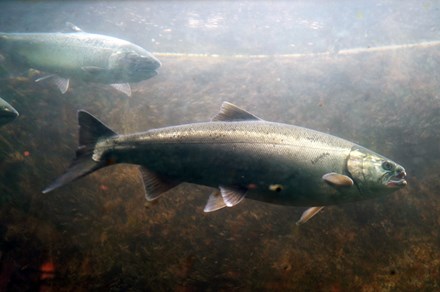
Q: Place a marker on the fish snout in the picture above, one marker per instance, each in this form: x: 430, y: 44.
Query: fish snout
x: 398, y: 180
x: 145, y: 67
x: 401, y: 173
x: 7, y: 113
x: 7, y: 117
x: 153, y: 62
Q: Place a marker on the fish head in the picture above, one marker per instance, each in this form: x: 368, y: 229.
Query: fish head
x: 374, y: 174
x: 7, y: 112
x: 135, y: 66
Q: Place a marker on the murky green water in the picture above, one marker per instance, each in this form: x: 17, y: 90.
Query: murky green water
x: 100, y: 234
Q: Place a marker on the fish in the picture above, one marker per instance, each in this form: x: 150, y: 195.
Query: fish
x: 241, y: 156
x: 82, y: 56
x: 7, y: 112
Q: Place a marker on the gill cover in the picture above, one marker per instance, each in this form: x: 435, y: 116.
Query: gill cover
x: 374, y: 174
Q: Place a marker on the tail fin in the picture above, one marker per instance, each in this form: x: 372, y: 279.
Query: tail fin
x: 90, y: 131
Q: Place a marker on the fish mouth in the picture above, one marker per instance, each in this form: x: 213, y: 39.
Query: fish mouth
x: 397, y: 181
x: 149, y: 74
x: 151, y: 63
x: 148, y: 69
x: 141, y: 74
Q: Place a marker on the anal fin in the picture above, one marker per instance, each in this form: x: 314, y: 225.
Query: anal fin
x: 232, y: 195
x: 215, y: 202
x: 308, y: 214
x: 155, y: 185
x: 60, y: 82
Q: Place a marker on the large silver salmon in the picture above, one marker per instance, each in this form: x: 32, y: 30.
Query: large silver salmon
x: 80, y: 55
x: 7, y: 112
x: 241, y: 155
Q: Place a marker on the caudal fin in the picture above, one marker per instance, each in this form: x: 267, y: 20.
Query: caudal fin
x: 90, y: 131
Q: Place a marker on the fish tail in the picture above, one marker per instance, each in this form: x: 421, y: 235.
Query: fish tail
x: 91, y: 130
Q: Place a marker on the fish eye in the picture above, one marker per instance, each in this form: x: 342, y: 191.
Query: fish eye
x: 387, y: 165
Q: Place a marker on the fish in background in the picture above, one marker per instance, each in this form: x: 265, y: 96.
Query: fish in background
x: 241, y: 156
x: 7, y: 112
x: 80, y: 55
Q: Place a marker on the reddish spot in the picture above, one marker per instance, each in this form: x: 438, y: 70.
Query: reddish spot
x: 26, y: 153
x: 47, y: 270
x: 251, y: 186
x: 336, y: 287
x: 103, y: 187
x: 111, y: 160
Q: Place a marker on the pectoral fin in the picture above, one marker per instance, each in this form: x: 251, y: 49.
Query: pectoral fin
x: 232, y: 195
x: 337, y: 180
x: 60, y: 82
x: 215, y: 202
x: 308, y: 214
x: 122, y: 87
x: 155, y: 185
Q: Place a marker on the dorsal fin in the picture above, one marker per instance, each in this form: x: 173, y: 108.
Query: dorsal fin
x: 232, y: 113
x: 72, y: 27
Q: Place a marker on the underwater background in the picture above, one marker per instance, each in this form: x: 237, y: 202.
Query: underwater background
x: 365, y: 71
